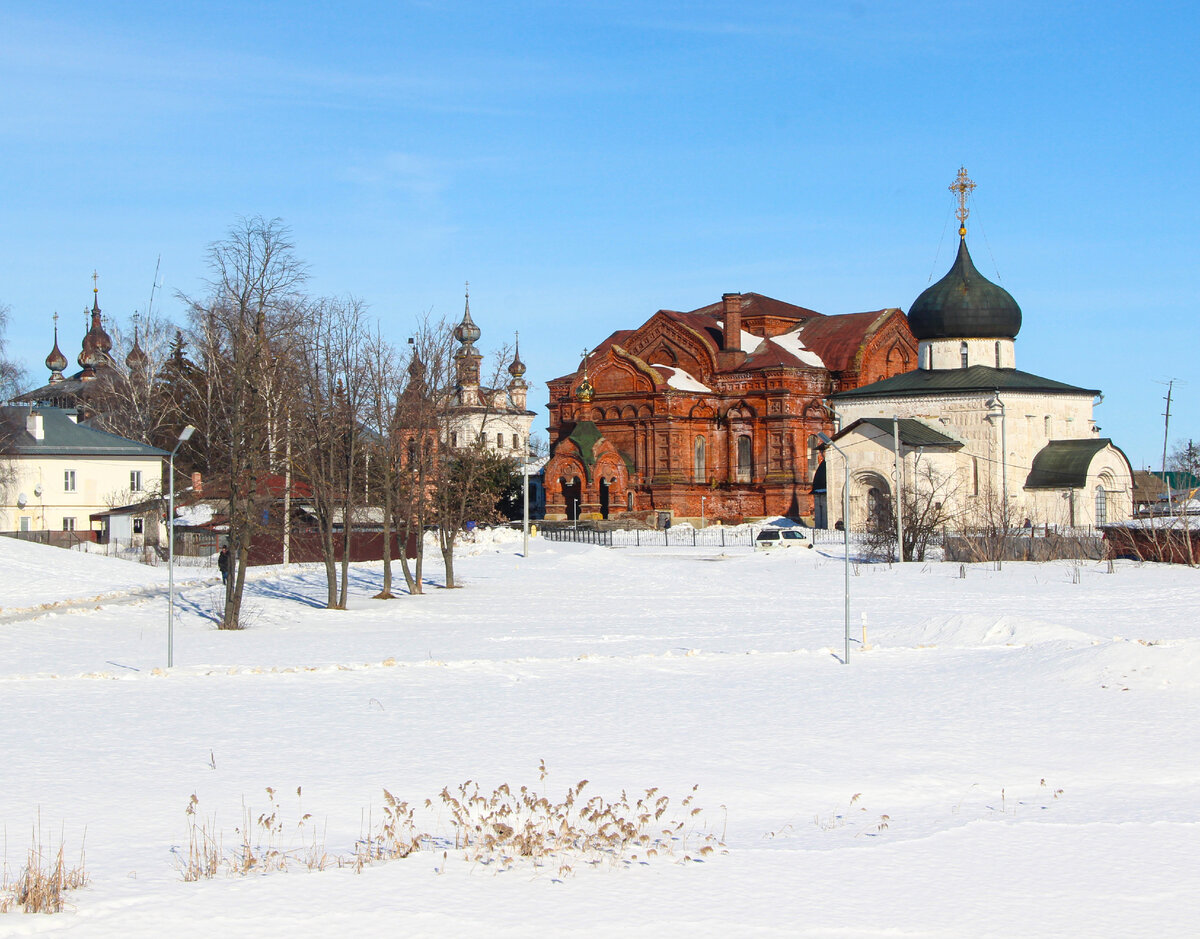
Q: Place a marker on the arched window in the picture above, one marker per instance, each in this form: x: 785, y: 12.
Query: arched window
x: 453, y: 439
x: 699, y: 470
x: 629, y: 499
x: 412, y: 451
x: 1101, y: 506
x: 962, y: 351
x: 974, y: 475
x: 997, y: 354
x: 745, y: 458
x: 928, y: 358
x: 814, y: 455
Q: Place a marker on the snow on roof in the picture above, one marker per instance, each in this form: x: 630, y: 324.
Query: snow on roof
x: 792, y: 343
x: 681, y: 380
x: 191, y: 515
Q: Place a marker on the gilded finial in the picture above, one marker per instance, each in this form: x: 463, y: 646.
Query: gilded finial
x: 962, y: 186
x: 95, y: 278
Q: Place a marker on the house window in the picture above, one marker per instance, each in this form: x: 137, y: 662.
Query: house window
x: 135, y: 480
x: 68, y: 480
x: 1101, y: 506
x: 699, y: 468
x: 138, y: 526
x: 516, y: 442
x: 25, y: 520
x: 962, y: 351
x: 68, y: 524
x: 745, y: 460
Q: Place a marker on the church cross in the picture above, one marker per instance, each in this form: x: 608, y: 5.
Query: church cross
x: 95, y: 277
x: 962, y: 186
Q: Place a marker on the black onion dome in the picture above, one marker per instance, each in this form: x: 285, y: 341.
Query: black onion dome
x: 964, y: 305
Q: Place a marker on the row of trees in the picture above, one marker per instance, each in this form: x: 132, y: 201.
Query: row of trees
x: 298, y: 396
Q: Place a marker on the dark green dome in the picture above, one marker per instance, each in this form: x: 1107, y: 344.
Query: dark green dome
x: 964, y: 305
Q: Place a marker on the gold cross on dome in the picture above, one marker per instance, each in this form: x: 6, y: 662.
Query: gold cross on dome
x: 962, y: 185
x: 95, y: 277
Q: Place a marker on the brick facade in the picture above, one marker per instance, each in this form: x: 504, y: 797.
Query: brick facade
x: 711, y: 413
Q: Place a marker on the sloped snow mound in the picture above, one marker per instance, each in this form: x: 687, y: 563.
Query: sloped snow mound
x: 35, y: 574
x: 969, y: 630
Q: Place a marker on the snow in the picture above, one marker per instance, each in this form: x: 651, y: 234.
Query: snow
x: 682, y: 380
x: 1011, y: 753
x: 793, y: 344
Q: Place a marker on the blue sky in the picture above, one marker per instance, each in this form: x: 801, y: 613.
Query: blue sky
x: 584, y: 164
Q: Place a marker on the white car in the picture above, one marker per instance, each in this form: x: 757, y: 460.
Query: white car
x: 781, y: 538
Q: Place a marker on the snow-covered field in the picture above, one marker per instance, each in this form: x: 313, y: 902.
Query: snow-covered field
x: 1014, y: 753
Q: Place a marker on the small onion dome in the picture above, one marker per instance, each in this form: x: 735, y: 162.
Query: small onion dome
x: 517, y: 368
x: 137, y: 360
x: 97, y: 343
x: 56, y: 361
x: 585, y: 390
x: 964, y: 305
x: 467, y: 332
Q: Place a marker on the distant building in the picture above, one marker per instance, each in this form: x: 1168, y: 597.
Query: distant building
x: 497, y: 417
x: 712, y: 413
x: 998, y: 440
x: 64, y: 472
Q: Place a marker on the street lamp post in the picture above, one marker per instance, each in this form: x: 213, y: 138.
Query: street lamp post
x: 576, y: 501
x: 184, y: 436
x: 997, y: 403
x: 702, y: 501
x: 525, y: 506
x: 845, y: 533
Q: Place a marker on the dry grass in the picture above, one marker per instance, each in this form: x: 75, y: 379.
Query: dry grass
x: 502, y: 827
x: 505, y: 827
x: 43, y: 882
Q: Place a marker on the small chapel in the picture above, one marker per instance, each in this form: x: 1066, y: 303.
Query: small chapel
x: 967, y: 428
x: 711, y: 414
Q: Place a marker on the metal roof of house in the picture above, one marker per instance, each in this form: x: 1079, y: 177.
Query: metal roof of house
x: 62, y: 436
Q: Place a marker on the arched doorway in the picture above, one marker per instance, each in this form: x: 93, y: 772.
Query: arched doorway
x: 604, y: 498
x: 572, y: 491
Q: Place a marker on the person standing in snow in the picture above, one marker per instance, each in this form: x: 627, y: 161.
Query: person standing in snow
x: 223, y: 564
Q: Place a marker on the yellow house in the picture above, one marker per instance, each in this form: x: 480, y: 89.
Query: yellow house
x: 55, y: 473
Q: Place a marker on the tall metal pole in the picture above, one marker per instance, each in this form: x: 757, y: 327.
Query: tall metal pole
x: 171, y: 562
x: 525, y: 506
x: 184, y: 436
x: 845, y: 537
x: 899, y: 490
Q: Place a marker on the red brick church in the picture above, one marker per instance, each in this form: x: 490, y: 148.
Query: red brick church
x: 713, y: 413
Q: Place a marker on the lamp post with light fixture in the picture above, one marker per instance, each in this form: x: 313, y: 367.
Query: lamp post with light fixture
x: 184, y: 436
x: 846, y: 534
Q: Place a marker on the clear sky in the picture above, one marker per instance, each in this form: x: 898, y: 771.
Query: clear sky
x: 584, y: 164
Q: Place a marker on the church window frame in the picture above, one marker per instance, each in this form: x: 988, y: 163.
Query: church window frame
x: 1101, y: 505
x: 699, y: 463
x: 814, y: 455
x: 745, y: 458
x: 963, y: 354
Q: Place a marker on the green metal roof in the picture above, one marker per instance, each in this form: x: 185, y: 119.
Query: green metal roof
x: 913, y: 433
x: 63, y: 437
x: 1063, y: 464
x: 981, y: 378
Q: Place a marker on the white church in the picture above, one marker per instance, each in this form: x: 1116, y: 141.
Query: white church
x: 989, y: 438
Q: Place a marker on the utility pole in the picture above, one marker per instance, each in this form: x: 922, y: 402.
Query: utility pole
x: 1166, y: 431
x: 899, y: 490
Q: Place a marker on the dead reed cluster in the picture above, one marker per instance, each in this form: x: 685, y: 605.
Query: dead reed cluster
x: 502, y: 827
x: 44, y: 881
x: 505, y: 826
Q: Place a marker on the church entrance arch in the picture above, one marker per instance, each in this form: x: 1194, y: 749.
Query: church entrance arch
x: 604, y: 498
x: 572, y: 490
x: 871, y: 501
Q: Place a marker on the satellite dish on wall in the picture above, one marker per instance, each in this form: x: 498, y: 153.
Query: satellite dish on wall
x: 22, y: 499
x: 37, y: 490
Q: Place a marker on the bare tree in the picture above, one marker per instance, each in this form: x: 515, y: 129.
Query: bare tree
x: 11, y: 377
x: 245, y: 334
x: 1185, y: 457
x: 131, y: 399
x: 333, y: 379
